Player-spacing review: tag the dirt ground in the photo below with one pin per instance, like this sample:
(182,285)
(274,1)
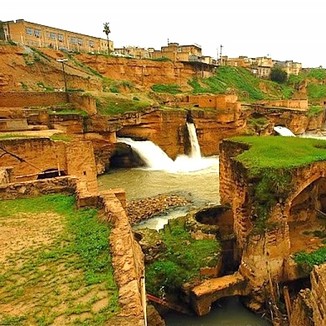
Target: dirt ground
(302,235)
(36,286)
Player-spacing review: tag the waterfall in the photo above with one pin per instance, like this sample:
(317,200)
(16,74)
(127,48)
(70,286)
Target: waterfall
(151,154)
(195,148)
(156,159)
(283,131)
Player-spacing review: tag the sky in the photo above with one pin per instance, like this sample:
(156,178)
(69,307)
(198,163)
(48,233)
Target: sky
(280,29)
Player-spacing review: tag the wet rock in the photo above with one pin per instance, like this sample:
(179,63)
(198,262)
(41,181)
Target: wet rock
(143,209)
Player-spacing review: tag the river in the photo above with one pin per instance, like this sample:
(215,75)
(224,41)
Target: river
(203,187)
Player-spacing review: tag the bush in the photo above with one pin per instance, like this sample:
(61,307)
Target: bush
(278,75)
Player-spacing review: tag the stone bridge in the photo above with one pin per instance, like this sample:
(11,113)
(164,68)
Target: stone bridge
(203,295)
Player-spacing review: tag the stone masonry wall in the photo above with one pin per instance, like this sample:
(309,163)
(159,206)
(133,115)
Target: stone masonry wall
(28,99)
(30,157)
(127,259)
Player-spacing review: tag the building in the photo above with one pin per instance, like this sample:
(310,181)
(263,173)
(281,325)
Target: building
(289,66)
(37,35)
(133,52)
(176,52)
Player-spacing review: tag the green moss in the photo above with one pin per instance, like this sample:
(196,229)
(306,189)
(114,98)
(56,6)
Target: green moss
(182,260)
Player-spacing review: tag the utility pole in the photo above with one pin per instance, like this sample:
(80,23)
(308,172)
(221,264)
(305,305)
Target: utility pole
(221,48)
(63,61)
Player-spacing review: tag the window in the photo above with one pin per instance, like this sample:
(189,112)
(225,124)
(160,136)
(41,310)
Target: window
(80,41)
(29,31)
(53,36)
(60,37)
(37,32)
(73,40)
(91,43)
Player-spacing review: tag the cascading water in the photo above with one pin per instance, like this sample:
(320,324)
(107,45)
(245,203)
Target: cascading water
(156,159)
(195,148)
(283,131)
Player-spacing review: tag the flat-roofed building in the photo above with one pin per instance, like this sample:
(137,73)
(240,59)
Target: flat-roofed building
(37,35)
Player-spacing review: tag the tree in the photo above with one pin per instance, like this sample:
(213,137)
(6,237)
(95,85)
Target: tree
(278,75)
(106,30)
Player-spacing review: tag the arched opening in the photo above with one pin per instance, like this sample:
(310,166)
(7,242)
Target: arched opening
(50,173)
(307,217)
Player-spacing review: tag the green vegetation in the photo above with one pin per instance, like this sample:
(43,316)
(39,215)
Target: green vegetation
(62,272)
(111,105)
(24,86)
(313,78)
(38,52)
(116,86)
(68,112)
(258,123)
(239,80)
(278,75)
(44,87)
(61,137)
(162,59)
(280,152)
(308,260)
(168,88)
(269,161)
(315,110)
(11,136)
(182,259)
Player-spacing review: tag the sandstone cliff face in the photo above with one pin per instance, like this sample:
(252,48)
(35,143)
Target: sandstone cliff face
(142,72)
(23,69)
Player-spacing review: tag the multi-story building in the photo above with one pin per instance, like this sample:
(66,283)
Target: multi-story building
(133,52)
(289,66)
(37,35)
(176,52)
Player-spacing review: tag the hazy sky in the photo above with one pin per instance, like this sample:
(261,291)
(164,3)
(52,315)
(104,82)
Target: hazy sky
(282,29)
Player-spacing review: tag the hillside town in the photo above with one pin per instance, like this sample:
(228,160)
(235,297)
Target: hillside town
(139,185)
(37,35)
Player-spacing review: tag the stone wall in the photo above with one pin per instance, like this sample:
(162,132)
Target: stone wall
(36,188)
(127,259)
(29,158)
(29,99)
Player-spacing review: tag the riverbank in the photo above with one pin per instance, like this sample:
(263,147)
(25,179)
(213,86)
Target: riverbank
(142,209)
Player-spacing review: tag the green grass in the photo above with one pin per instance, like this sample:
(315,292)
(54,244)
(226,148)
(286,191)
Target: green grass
(15,136)
(308,260)
(61,137)
(168,88)
(182,259)
(315,110)
(280,152)
(62,278)
(269,161)
(68,112)
(116,105)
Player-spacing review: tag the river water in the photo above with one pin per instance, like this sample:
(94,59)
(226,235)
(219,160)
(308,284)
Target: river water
(196,177)
(203,187)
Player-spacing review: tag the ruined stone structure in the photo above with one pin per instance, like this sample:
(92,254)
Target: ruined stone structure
(37,158)
(267,255)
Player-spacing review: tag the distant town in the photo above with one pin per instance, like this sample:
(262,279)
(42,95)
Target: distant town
(37,35)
